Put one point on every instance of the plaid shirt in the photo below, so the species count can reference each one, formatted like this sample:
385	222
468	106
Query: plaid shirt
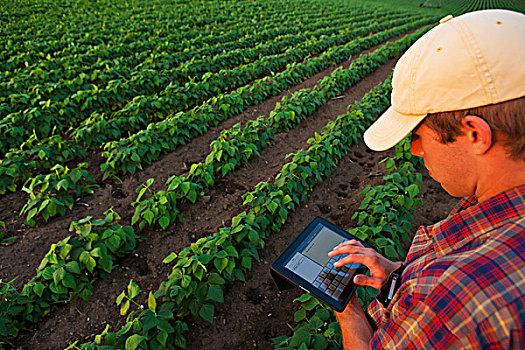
464	284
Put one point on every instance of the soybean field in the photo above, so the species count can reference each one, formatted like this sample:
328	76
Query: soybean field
156	156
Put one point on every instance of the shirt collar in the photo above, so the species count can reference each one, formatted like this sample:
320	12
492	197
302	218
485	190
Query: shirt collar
470	219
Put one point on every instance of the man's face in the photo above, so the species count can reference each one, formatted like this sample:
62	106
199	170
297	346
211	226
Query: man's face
449	164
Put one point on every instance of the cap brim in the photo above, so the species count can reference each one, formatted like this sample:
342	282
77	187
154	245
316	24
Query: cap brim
390	128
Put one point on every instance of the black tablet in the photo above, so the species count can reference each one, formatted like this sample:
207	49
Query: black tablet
306	263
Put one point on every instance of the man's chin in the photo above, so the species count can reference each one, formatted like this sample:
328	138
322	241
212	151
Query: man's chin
453	193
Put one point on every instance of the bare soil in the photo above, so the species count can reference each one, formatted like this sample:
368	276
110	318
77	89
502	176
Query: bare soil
254	311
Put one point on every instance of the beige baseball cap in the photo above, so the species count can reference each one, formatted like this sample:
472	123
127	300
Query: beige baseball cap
472	60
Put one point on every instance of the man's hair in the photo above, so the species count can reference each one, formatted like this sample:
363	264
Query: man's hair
506	119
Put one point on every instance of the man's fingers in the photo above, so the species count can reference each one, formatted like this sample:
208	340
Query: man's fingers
353	258
364	280
350	242
347	249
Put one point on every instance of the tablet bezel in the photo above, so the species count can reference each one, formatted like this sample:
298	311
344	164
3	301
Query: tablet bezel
279	266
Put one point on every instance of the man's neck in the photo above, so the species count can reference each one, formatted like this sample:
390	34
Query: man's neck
498	173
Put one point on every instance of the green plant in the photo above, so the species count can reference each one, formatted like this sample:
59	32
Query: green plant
318	328
5	241
54	193
68	270
384	220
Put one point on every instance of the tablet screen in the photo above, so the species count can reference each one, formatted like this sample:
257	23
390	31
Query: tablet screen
306	263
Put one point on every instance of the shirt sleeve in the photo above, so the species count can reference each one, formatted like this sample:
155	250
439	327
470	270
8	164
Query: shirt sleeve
376	310
410	324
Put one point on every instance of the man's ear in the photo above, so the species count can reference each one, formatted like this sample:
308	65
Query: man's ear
478	132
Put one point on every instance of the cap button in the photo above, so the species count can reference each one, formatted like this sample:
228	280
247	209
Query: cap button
446	19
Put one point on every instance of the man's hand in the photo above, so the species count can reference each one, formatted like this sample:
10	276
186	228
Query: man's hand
379	266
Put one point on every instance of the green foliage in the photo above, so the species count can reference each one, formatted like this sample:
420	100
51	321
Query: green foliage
383	221
54	193
129	155
237	145
318	327
68	270
5	241
32	157
203	270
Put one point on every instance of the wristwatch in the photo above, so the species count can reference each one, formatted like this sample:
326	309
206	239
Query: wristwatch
391	286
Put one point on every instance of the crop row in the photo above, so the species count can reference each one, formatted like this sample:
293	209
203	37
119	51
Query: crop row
87	91
183	17
53	39
21	307
116	60
469	6
203	270
93	131
68	270
42	117
237	145
142	148
170	38
384	220
233	148
34	155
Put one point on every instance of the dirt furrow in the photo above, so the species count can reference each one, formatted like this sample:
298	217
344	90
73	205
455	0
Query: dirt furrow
24	256
80	320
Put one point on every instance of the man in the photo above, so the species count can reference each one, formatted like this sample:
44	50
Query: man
460	90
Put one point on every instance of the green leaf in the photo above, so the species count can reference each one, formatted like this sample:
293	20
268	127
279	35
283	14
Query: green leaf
169	258
152	303
91	264
299	315
215	278
69	281
43	205
220	264
149	216
124	308
75	175
215	293
86	294
62	184
39	289
323	314
413	190
192	196
133	289
134	341
315	323
120	297
135	157
149	323
73	267
247	262
254	237
96	253
162	337
58	275
206	312
304	297
186	280
320	342
301	336
164	222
